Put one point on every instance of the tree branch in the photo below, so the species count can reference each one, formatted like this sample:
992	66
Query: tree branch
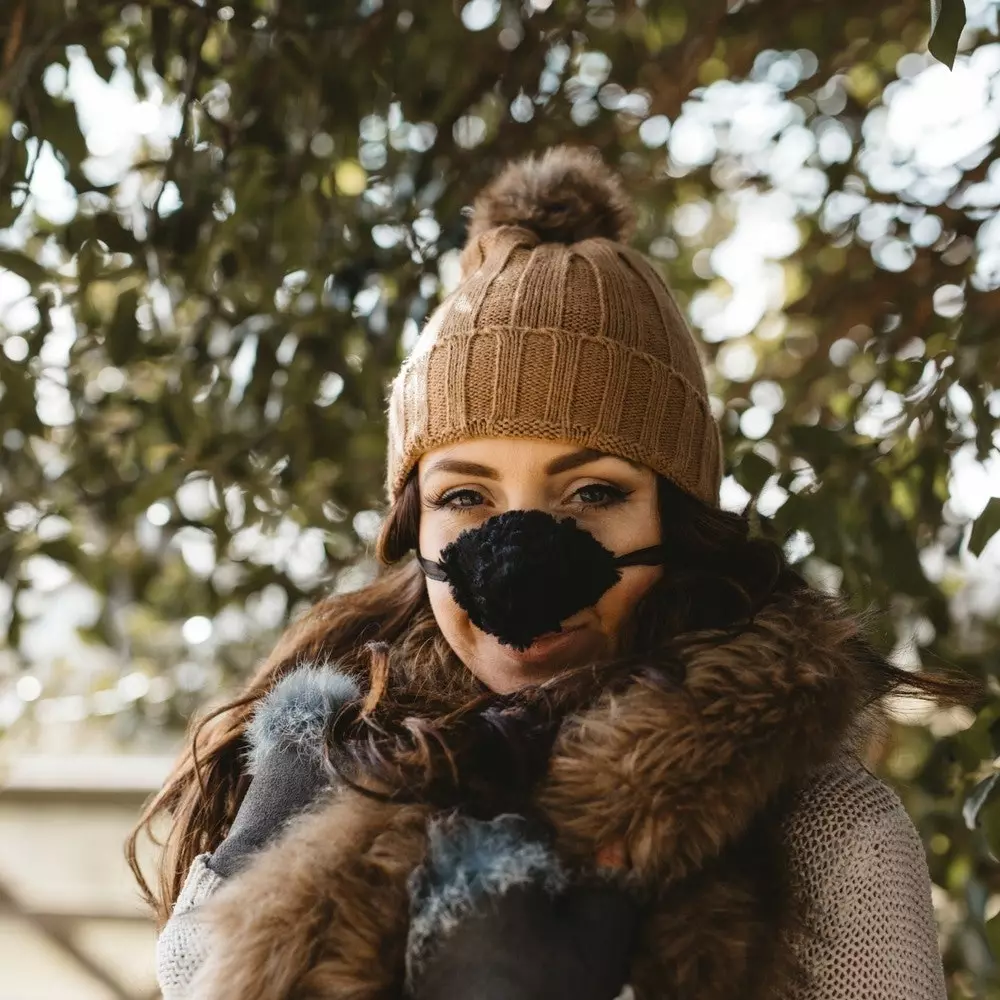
13	42
190	83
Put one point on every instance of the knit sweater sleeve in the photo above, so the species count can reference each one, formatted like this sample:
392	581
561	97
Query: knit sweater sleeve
862	866
182	945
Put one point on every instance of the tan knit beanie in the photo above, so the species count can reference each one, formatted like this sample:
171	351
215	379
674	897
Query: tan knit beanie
558	330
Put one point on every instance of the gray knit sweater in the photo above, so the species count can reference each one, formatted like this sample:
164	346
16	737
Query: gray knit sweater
856	855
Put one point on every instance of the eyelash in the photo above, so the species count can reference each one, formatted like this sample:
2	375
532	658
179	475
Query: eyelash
614	495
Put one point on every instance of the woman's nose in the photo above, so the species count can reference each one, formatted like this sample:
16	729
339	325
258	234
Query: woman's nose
529	498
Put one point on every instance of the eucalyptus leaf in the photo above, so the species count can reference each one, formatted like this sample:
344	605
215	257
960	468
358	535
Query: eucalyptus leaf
753	472
977	800
988	819
947	24
59	124
30	270
992	928
122	337
985	527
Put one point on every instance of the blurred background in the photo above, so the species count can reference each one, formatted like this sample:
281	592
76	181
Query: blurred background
222	226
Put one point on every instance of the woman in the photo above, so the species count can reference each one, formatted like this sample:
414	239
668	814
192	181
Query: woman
594	738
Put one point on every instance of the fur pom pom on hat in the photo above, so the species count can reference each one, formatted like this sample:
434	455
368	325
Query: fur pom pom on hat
563	196
558	330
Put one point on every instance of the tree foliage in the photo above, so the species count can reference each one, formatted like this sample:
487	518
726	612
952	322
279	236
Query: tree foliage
197	338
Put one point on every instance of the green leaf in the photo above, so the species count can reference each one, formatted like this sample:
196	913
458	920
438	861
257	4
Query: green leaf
818	445
11	260
977	800
14	625
898	546
988	820
8	214
150	489
753	472
18	395
59	124
99	60
62	550
947	23
118	239
123	333
985	527
160	33
993	935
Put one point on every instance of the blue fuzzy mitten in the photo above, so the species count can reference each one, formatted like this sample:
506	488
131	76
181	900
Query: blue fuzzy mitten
492	917
286	739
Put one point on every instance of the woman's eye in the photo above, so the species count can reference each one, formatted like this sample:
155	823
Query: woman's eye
459	498
599	495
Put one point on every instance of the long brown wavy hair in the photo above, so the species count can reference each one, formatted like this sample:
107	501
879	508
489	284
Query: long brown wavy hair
426	728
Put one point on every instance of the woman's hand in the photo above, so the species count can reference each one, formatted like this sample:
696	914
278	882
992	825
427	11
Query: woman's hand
527	945
493	919
286	738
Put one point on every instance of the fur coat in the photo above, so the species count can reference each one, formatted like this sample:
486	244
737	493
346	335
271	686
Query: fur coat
692	780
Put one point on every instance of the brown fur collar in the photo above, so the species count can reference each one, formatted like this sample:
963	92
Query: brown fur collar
692	780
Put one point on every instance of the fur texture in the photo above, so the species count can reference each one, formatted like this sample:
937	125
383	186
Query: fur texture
295	713
467	861
322	912
691	779
566	195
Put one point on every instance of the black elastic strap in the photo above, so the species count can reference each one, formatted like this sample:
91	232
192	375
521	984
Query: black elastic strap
432	570
651	556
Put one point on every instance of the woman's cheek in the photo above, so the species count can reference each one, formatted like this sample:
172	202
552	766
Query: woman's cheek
451	619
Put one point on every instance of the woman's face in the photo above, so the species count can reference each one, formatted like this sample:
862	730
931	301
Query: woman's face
464	484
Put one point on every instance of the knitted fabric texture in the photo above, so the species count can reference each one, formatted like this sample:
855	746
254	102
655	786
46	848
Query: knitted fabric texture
183	945
855	852
868	882
559	331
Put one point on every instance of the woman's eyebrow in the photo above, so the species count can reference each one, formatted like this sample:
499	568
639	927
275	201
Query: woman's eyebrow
564	463
574	459
463	468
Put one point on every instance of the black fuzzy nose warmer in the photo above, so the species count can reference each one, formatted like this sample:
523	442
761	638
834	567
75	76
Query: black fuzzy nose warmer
519	575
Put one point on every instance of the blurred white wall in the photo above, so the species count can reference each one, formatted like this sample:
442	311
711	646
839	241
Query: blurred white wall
72	924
